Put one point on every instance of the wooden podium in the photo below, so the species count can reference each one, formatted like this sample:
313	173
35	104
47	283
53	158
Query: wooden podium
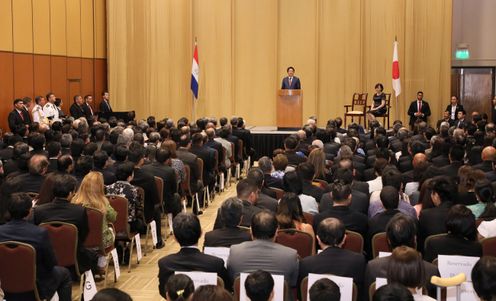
289	109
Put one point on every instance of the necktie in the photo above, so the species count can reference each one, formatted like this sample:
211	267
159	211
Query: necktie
420	106
290	81
20	114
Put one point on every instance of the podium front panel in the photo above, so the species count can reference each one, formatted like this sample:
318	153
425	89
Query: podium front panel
289	108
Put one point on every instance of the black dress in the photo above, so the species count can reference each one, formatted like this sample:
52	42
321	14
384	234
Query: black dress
377	102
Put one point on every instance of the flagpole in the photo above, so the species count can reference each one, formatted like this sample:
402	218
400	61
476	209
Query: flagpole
396	97
193	111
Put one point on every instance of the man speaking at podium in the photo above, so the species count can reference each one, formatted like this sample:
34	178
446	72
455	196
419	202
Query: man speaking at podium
291	81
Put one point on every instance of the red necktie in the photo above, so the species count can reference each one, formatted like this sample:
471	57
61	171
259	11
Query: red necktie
420	106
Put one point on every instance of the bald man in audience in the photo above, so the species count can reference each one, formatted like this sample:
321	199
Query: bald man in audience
32	181
412	177
488	156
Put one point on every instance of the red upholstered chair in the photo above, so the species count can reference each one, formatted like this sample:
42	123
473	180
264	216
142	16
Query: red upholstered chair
121	225
18	269
301	241
354	242
380	244
489	246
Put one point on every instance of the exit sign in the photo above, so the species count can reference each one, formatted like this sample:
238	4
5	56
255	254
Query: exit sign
462	54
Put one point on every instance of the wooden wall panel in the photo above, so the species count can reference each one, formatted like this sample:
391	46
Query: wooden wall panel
73	27
59	76
100	80
87	76
6	25
41	26
58	38
6	86
73	68
23	75
42	74
22	22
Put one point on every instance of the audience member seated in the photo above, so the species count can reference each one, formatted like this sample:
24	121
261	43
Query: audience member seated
19	153
123	187
111	294
331	236
50	278
400	231
264	201
263	253
187	232
101	164
53	149
406	268
32	181
207	154
484	208
179	287
467	177
488	156
456	154
391	177
259	286
226	145
176	164
230	234
376	184
392	292
318	159
290	215
292	183
161	168
280	163
411	178
461	238
483	277
306	173
290	150
342	198
61	210
324	290
389	199
433	220
247	193
360	199
91	194
265	164
211	293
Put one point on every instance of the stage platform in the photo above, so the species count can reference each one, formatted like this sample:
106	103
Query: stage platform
266	139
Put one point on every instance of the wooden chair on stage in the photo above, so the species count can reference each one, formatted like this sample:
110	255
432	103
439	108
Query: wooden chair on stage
358	108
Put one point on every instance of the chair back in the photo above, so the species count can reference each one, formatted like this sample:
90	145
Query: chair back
185	184
233	154
387	100
380	244
354	242
159	183
489	246
199	162
95	223
240	149
64	239
279	192
120	205
301	241
18	268
359	102
431	237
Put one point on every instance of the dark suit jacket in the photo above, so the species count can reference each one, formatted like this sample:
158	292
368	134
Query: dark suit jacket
433	221
248	211
451	245
21	230
266	202
405	163
425	109
378	267
359	202
77	111
331	148
361	186
220	151
30	182
105	107
335	261
16	122
378	223
459	108
108	175
195	173
186	260
295	83
167	174
451	170
63	211
146	181
312	190
270	181
440	161
485	166
88	113
207	154
225	237
294	159
6	153
353	220
244	135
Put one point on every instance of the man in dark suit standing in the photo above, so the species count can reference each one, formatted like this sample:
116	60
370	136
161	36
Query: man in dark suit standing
88	110
19	117
331	236
187	232
230	213
61	209
77	108
105	104
50	278
291	81
453	108
419	109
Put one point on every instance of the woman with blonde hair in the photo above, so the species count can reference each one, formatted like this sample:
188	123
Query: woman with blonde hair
318	159
91	194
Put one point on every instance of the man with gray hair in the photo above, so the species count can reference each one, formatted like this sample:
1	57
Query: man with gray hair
265	164
230	234
38	167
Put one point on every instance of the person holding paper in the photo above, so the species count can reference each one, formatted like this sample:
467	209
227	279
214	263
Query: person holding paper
187	232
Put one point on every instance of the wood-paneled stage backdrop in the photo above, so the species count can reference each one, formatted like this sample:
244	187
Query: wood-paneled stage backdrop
337	47
51	45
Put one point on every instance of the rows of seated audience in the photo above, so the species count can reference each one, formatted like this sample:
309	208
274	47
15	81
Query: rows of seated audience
429	191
